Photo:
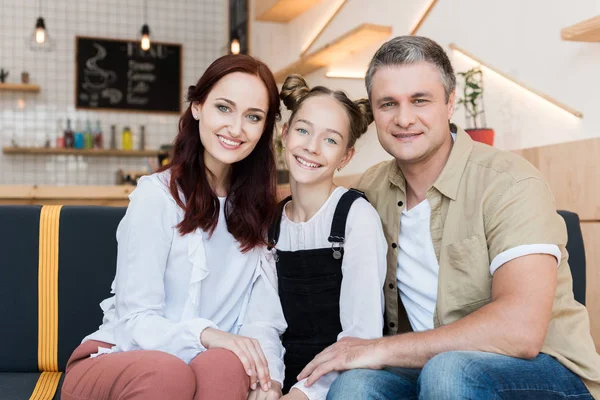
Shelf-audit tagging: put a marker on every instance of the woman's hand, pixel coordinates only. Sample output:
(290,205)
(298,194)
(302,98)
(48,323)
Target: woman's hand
(272,394)
(249,352)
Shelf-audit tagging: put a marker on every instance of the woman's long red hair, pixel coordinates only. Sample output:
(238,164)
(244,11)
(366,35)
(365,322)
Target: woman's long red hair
(251,198)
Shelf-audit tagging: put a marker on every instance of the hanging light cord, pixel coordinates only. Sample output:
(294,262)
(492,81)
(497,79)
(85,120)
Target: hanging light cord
(145,11)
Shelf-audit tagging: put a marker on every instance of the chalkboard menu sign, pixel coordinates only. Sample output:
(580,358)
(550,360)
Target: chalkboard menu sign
(119,75)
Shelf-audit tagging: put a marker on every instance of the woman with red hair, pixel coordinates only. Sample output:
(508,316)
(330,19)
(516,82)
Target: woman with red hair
(195,312)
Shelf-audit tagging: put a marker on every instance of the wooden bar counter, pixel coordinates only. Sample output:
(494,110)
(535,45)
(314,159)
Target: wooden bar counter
(109,195)
(116,195)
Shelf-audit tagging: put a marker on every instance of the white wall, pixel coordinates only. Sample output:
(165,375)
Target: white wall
(520,38)
(199,25)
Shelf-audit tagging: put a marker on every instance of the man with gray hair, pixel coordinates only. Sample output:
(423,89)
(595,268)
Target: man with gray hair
(479,300)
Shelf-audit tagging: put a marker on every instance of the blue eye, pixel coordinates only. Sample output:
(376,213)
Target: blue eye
(223,108)
(419,101)
(302,131)
(331,141)
(254,118)
(388,104)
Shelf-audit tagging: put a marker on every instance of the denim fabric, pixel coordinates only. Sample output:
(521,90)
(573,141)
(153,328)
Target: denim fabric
(464,375)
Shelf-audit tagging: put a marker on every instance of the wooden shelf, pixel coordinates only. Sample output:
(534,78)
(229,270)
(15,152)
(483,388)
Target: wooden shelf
(586,31)
(81,152)
(281,10)
(351,42)
(19,87)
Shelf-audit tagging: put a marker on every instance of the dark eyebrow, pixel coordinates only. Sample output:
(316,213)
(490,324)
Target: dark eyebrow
(226,100)
(233,104)
(328,129)
(415,95)
(385,99)
(420,94)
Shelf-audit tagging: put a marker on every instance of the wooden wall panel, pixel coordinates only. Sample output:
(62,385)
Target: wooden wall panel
(591,236)
(573,173)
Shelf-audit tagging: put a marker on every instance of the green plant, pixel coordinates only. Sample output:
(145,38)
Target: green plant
(472,97)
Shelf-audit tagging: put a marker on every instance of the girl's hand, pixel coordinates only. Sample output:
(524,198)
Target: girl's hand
(272,394)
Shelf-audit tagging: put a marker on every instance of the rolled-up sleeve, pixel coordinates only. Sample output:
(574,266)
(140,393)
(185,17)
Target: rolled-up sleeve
(523,220)
(144,242)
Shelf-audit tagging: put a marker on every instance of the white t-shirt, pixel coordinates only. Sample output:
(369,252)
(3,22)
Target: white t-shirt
(363,269)
(417,273)
(418,268)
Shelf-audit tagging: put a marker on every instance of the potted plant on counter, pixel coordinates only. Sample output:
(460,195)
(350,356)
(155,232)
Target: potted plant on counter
(472,100)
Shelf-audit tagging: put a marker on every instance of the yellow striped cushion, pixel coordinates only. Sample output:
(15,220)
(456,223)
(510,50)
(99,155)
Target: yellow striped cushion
(48,304)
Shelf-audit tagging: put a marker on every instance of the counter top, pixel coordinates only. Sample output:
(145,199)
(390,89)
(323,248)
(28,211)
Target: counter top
(116,195)
(65,192)
(111,195)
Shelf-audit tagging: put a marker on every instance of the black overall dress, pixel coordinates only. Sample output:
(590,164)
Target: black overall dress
(309,287)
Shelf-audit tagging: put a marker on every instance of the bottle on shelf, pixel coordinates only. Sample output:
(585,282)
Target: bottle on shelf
(98,139)
(88,139)
(113,137)
(126,139)
(69,136)
(78,143)
(60,139)
(142,137)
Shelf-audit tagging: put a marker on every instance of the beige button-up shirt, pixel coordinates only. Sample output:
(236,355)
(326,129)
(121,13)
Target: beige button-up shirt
(484,202)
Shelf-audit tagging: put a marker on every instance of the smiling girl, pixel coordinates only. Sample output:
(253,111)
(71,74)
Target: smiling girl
(329,244)
(195,312)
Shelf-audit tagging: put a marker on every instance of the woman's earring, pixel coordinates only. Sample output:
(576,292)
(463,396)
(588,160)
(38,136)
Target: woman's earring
(339,169)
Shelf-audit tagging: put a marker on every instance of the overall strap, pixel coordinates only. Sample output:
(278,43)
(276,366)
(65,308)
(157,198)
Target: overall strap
(338,225)
(274,229)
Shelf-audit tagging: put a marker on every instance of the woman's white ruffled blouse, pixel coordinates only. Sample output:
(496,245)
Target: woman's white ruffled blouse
(160,275)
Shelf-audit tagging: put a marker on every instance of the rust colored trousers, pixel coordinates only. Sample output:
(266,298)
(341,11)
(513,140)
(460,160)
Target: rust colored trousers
(153,375)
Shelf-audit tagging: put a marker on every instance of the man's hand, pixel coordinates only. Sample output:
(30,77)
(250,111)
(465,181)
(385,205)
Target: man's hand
(347,353)
(274,393)
(295,394)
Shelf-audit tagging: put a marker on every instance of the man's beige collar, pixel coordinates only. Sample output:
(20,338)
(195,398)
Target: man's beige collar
(448,181)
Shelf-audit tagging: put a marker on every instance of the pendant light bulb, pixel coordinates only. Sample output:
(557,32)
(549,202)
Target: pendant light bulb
(39,40)
(40,31)
(235,46)
(145,42)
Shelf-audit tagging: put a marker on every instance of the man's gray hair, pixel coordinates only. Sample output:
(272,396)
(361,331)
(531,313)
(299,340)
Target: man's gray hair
(406,50)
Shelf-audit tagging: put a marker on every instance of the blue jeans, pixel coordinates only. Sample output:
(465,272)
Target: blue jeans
(464,375)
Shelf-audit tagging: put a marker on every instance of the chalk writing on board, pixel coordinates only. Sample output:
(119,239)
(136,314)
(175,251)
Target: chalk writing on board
(118,74)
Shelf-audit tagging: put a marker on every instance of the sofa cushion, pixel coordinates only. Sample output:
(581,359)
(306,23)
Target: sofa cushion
(19,241)
(86,268)
(21,385)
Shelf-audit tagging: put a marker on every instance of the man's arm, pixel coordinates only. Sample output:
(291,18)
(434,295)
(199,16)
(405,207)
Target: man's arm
(514,323)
